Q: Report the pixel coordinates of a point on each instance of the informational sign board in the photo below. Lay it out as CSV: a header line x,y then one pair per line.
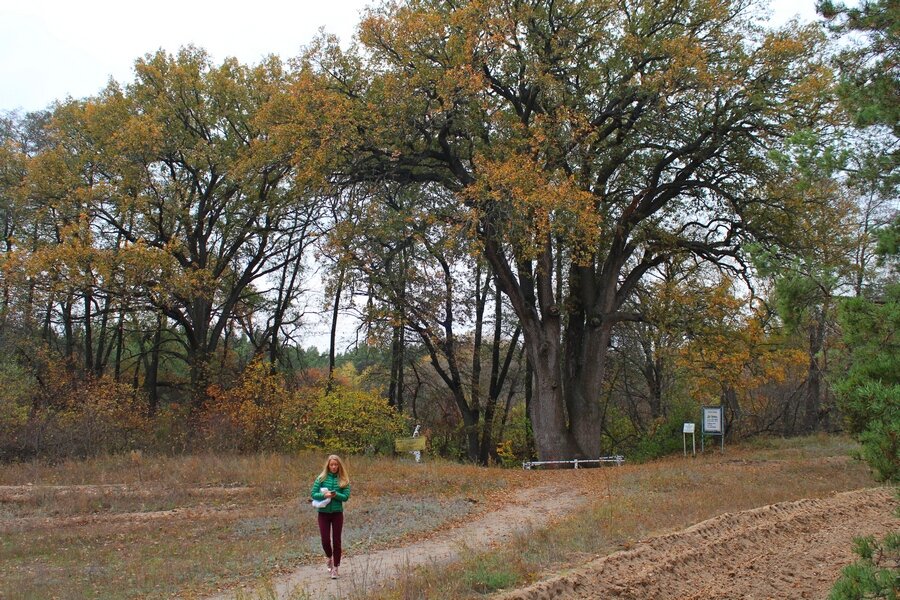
x,y
409,444
688,428
712,420
712,423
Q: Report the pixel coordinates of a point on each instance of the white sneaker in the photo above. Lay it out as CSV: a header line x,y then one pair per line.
x,y
334,572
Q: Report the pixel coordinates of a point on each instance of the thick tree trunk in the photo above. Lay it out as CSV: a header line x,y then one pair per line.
x,y
199,363
552,438
586,366
200,348
734,412
529,389
530,292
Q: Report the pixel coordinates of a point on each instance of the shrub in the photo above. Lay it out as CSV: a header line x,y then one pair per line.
x,y
85,418
516,444
875,575
350,420
99,416
663,437
259,413
869,391
14,409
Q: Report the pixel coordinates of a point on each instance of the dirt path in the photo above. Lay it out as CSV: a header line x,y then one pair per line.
x,y
528,508
786,550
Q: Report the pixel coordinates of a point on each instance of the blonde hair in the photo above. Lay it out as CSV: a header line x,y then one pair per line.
x,y
343,474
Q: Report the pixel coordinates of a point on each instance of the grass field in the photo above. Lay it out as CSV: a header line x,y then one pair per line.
x,y
135,527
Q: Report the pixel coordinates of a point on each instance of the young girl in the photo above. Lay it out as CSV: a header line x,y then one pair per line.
x,y
334,483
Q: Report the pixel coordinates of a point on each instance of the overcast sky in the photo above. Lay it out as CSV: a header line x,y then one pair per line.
x,y
52,49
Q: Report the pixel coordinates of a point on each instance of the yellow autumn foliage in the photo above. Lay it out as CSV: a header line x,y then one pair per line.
x,y
262,413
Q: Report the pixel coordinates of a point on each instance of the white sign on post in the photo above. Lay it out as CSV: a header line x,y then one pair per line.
x,y
689,429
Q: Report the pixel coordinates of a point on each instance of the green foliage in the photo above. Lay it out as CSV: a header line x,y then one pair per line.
x,y
490,572
350,420
869,86
869,392
666,435
663,437
880,438
15,391
889,242
795,296
875,575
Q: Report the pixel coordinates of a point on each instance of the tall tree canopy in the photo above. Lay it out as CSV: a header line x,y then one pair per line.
x,y
165,195
587,141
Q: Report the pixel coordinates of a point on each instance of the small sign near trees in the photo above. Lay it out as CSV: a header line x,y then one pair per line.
x,y
410,444
689,429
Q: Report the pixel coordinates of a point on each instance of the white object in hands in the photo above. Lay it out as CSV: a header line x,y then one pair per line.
x,y
321,503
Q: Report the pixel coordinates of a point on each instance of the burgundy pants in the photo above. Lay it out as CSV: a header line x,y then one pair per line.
x,y
330,525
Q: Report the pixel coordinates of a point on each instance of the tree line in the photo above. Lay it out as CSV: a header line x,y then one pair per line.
x,y
562,225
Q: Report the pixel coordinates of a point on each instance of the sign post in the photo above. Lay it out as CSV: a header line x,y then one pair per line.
x,y
713,424
411,444
414,444
689,429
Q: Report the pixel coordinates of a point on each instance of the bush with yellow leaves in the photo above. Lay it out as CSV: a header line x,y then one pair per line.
x,y
352,420
261,413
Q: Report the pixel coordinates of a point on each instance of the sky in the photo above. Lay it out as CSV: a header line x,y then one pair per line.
x,y
54,49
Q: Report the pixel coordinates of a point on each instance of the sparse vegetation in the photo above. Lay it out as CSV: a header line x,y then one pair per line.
x,y
97,528
638,501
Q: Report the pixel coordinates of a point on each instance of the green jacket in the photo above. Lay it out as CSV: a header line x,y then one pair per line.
x,y
341,494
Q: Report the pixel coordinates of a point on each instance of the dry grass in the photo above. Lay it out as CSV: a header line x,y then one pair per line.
x,y
637,501
130,526
238,518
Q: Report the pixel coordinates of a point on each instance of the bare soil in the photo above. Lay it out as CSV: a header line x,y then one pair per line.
x,y
785,550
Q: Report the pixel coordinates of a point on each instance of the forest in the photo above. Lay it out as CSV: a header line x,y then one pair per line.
x,y
554,228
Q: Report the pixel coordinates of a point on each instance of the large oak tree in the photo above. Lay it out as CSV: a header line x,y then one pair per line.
x,y
588,140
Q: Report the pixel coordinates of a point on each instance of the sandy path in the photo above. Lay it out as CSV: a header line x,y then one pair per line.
x,y
529,508
785,550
